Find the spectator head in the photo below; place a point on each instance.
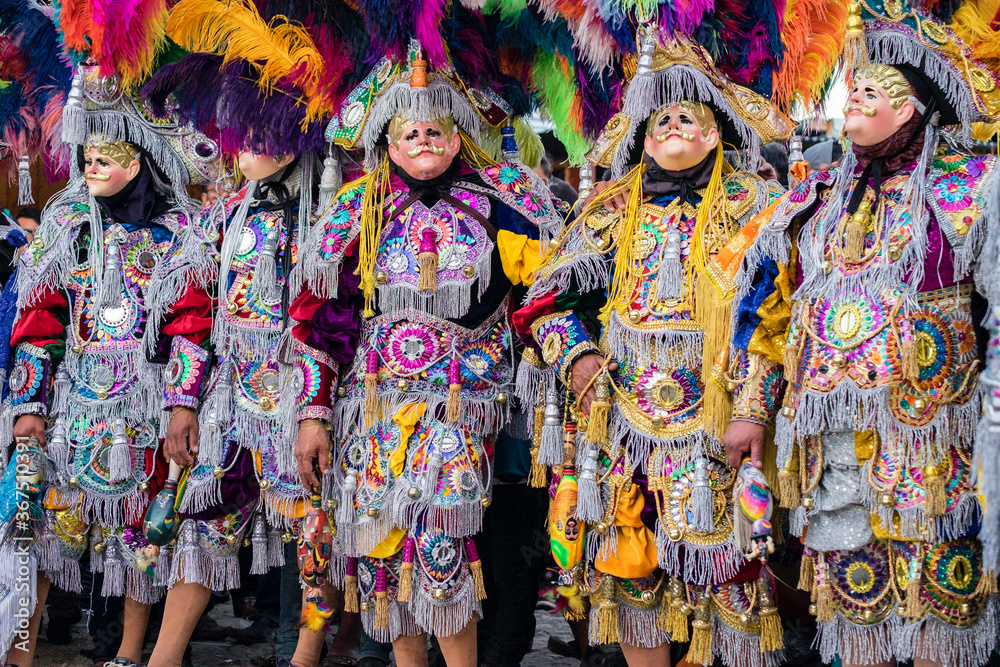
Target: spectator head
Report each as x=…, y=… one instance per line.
x=544, y=168
x=28, y=220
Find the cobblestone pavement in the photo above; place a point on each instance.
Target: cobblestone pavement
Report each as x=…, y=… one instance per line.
x=210, y=654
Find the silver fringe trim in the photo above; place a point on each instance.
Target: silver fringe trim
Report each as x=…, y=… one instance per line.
x=740, y=649
x=699, y=565
x=636, y=627
x=666, y=348
x=935, y=641
x=856, y=644
x=401, y=623
x=449, y=617
x=193, y=565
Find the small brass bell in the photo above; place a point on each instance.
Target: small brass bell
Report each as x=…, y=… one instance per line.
x=218, y=473
x=232, y=539
x=601, y=528
x=501, y=398
x=886, y=499
x=674, y=534
x=99, y=547
x=341, y=391
x=381, y=277
x=647, y=596
x=744, y=618
x=808, y=502
x=231, y=308
x=402, y=384
x=965, y=608
x=73, y=482
x=286, y=537
x=246, y=541
x=919, y=404
x=839, y=360
x=365, y=606
x=265, y=484
x=468, y=271
x=869, y=615
x=440, y=594
x=77, y=348
x=265, y=403
x=102, y=395
x=812, y=610
x=144, y=486
x=788, y=412
x=331, y=504
x=413, y=493
x=372, y=512
x=485, y=502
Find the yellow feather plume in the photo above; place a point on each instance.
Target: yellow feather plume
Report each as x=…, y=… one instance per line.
x=235, y=30
x=973, y=22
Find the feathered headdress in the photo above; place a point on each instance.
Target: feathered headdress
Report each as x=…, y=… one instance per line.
x=34, y=81
x=954, y=45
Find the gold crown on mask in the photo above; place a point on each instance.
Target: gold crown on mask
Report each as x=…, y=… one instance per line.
x=399, y=123
x=121, y=152
x=702, y=113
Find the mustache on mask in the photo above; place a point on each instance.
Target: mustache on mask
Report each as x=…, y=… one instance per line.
x=417, y=150
x=98, y=177
x=866, y=110
x=685, y=135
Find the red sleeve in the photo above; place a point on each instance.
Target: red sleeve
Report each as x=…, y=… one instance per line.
x=526, y=316
x=39, y=324
x=191, y=316
x=302, y=311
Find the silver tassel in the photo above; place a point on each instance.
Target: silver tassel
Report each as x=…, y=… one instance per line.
x=345, y=507
x=794, y=156
x=643, y=87
x=550, y=451
x=24, y=196
x=589, y=507
x=58, y=446
x=258, y=541
x=109, y=292
x=60, y=391
x=224, y=395
x=431, y=474
x=330, y=181
x=119, y=458
x=702, y=505
x=265, y=276
x=210, y=439
x=74, y=120
x=670, y=282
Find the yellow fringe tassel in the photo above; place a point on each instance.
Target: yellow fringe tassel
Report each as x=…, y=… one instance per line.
x=771, y=635
x=538, y=478
x=911, y=369
x=700, y=652
x=789, y=487
x=713, y=311
x=600, y=410
x=607, y=623
x=824, y=603
x=371, y=398
x=854, y=240
x=679, y=630
x=807, y=574
x=539, y=473
x=626, y=263
x=405, y=582
x=428, y=267
x=987, y=584
x=790, y=361
x=935, y=497
x=914, y=607
x=453, y=408
x=476, y=567
x=372, y=219
x=351, y=594
x=381, y=609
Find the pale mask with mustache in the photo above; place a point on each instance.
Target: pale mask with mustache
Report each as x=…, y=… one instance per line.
x=881, y=102
x=109, y=166
x=681, y=136
x=423, y=150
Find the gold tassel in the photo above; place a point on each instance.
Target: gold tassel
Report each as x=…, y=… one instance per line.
x=807, y=574
x=371, y=231
x=626, y=263
x=790, y=361
x=453, y=410
x=607, y=611
x=914, y=607
x=987, y=583
x=677, y=613
x=538, y=478
x=428, y=266
x=771, y=633
x=600, y=410
x=789, y=487
x=855, y=48
x=855, y=232
x=381, y=609
x=911, y=369
x=824, y=603
x=351, y=594
x=405, y=582
x=935, y=498
x=714, y=312
x=371, y=387
x=701, y=638
x=476, y=567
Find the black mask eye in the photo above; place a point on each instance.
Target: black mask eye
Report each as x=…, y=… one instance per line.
x=206, y=150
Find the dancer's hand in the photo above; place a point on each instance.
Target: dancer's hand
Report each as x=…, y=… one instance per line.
x=312, y=449
x=181, y=442
x=616, y=203
x=30, y=425
x=583, y=371
x=742, y=438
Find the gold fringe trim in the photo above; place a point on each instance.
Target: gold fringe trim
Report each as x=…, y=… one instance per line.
x=701, y=638
x=453, y=409
x=381, y=609
x=476, y=567
x=911, y=369
x=607, y=623
x=771, y=635
x=626, y=263
x=914, y=607
x=538, y=478
x=351, y=594
x=935, y=497
x=714, y=311
x=427, y=263
x=405, y=582
x=824, y=603
x=807, y=574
